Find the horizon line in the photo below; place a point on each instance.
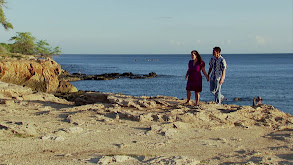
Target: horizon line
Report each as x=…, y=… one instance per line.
x=160, y=53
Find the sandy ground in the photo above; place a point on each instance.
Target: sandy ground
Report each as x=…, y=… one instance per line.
x=38, y=128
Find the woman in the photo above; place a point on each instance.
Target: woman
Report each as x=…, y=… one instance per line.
x=194, y=83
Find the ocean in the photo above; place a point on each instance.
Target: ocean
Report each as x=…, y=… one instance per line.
x=269, y=76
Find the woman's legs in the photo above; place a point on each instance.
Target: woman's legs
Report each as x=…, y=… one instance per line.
x=188, y=96
x=197, y=96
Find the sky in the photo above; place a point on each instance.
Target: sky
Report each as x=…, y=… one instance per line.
x=155, y=26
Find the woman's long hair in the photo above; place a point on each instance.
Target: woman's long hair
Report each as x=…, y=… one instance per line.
x=197, y=56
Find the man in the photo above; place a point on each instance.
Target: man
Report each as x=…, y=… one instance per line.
x=218, y=68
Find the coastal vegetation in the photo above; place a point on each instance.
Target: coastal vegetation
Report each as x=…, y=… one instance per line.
x=24, y=42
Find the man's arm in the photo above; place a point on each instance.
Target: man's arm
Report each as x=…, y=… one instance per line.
x=223, y=67
x=223, y=76
x=209, y=71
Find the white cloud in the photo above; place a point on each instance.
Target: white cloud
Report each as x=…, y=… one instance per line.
x=226, y=42
x=177, y=43
x=260, y=40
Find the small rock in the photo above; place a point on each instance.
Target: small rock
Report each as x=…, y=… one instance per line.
x=46, y=137
x=105, y=160
x=170, y=132
x=58, y=138
x=67, y=155
x=146, y=117
x=181, y=125
x=73, y=130
x=122, y=145
x=155, y=128
x=122, y=158
x=237, y=99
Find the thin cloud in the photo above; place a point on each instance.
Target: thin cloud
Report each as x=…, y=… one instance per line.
x=177, y=43
x=260, y=40
x=226, y=42
x=166, y=17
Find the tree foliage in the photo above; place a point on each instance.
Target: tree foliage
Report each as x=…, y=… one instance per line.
x=25, y=43
x=5, y=47
x=43, y=48
x=7, y=25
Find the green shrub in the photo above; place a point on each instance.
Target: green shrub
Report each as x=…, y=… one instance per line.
x=3, y=50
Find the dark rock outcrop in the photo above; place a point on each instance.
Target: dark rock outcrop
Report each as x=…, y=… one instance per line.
x=84, y=97
x=105, y=76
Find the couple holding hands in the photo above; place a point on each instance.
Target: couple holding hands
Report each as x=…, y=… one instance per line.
x=215, y=76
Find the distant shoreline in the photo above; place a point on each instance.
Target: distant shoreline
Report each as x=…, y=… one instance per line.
x=172, y=54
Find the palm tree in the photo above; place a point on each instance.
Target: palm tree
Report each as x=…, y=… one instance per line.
x=3, y=20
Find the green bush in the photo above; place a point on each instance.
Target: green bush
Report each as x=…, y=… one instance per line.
x=3, y=50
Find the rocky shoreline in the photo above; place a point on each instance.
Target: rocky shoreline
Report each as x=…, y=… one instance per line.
x=38, y=74
x=84, y=127
x=106, y=76
x=39, y=128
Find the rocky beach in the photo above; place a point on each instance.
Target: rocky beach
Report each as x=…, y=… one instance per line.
x=37, y=127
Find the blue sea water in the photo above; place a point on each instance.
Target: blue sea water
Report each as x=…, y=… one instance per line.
x=248, y=75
